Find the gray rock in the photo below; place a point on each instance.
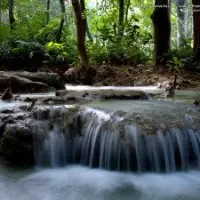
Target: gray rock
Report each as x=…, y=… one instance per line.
x=21, y=85
x=51, y=79
x=102, y=94
x=16, y=144
x=25, y=82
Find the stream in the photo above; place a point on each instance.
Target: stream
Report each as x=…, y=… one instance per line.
x=81, y=183
x=78, y=182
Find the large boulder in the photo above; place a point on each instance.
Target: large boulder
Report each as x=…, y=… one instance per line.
x=21, y=85
x=51, y=79
x=26, y=82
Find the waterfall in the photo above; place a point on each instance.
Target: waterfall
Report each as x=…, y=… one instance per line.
x=104, y=140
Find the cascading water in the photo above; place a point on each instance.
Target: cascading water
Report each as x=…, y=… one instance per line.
x=144, y=136
x=102, y=140
x=54, y=150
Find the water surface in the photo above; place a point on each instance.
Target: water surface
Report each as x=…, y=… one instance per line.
x=80, y=183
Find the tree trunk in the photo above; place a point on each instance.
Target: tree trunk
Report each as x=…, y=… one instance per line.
x=196, y=26
x=62, y=20
x=48, y=14
x=121, y=17
x=11, y=13
x=85, y=22
x=80, y=31
x=86, y=73
x=162, y=30
x=127, y=9
x=181, y=15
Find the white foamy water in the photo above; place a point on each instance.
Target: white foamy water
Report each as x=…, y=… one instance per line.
x=117, y=88
x=38, y=95
x=7, y=104
x=180, y=95
x=80, y=183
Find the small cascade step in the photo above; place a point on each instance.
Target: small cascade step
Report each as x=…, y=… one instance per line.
x=101, y=140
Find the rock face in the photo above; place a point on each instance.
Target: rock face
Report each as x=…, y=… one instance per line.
x=15, y=136
x=25, y=82
x=21, y=131
x=16, y=144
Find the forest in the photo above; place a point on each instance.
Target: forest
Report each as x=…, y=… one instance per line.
x=80, y=38
x=100, y=99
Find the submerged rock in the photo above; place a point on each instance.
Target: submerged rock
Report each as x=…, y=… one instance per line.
x=103, y=94
x=117, y=94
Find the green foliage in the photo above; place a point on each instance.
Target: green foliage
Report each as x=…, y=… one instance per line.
x=133, y=46
x=48, y=32
x=110, y=45
x=175, y=64
x=4, y=32
x=27, y=50
x=178, y=54
x=5, y=49
x=97, y=52
x=29, y=20
x=56, y=49
x=183, y=51
x=3, y=4
x=61, y=51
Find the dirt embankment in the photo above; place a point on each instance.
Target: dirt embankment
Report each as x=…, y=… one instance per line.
x=139, y=75
x=142, y=75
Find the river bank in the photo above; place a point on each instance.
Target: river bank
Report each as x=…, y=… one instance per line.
x=144, y=75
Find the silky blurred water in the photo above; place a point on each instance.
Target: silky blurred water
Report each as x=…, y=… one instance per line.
x=80, y=183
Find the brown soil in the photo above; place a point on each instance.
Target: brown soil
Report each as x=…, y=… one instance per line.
x=143, y=75
x=138, y=75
